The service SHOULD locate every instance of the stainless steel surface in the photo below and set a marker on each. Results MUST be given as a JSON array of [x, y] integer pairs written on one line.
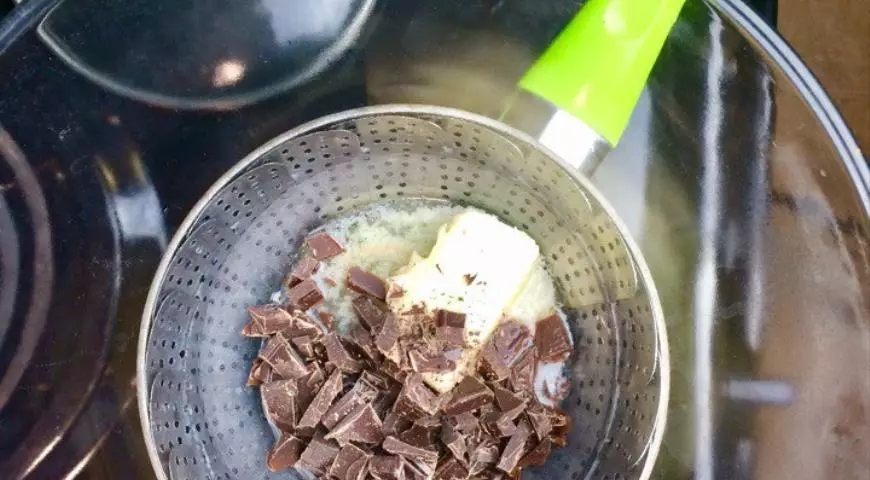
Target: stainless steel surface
[[237, 244]]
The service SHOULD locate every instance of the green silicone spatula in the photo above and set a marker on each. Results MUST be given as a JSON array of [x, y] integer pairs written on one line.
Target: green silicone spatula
[[592, 76]]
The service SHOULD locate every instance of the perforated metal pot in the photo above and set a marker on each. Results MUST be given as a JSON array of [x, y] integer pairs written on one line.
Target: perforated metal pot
[[199, 418]]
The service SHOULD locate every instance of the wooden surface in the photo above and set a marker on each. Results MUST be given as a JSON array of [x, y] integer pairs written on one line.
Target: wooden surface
[[833, 37]]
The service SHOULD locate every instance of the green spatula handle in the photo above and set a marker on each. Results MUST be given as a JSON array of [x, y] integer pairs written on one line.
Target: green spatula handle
[[597, 67]]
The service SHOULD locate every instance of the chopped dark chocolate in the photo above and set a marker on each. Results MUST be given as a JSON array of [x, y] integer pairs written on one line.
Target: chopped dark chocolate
[[506, 400], [539, 417], [387, 467], [363, 281], [470, 394], [419, 434], [361, 425], [398, 447], [552, 339], [446, 318], [339, 355], [306, 346], [491, 364], [321, 402], [515, 449], [357, 470], [500, 424], [363, 341], [395, 291], [324, 246], [387, 339], [327, 319], [360, 394], [281, 399], [511, 339], [455, 443], [395, 423], [260, 372], [450, 469], [416, 470], [522, 378], [416, 400], [303, 269], [483, 456], [450, 328], [371, 311], [266, 320], [465, 422], [283, 358], [395, 371], [318, 456], [305, 294], [538, 455], [303, 325], [347, 456], [285, 453], [421, 362], [561, 426]]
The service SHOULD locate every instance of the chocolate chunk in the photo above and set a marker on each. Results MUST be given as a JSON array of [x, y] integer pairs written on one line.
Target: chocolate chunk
[[522, 378], [361, 425], [491, 364], [303, 325], [321, 402], [416, 470], [419, 434], [365, 282], [363, 341], [339, 355], [285, 453], [465, 422], [305, 294], [283, 358], [360, 394], [455, 443], [395, 423], [416, 400], [347, 456], [371, 311], [282, 403], [538, 455], [450, 469], [398, 447], [394, 370], [446, 318], [386, 467], [539, 417], [561, 426], [511, 339], [306, 347], [324, 246], [387, 339], [506, 400], [483, 456], [260, 372], [266, 320], [552, 339], [395, 291], [303, 270], [515, 449], [327, 320], [358, 470], [318, 457], [422, 362], [500, 424], [375, 381], [469, 395]]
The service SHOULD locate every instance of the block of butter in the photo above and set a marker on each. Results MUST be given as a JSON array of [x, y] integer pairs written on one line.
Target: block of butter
[[477, 266]]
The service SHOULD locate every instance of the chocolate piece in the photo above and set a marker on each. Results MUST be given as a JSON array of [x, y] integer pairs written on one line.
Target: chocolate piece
[[285, 453], [450, 328], [394, 371], [469, 395], [483, 456], [363, 341], [362, 393], [283, 358], [347, 456], [316, 377], [260, 372], [424, 363], [306, 346], [371, 311], [305, 294], [500, 424], [455, 443], [327, 320], [318, 457], [416, 400], [339, 355], [361, 425], [266, 320], [491, 364], [358, 470], [395, 290], [303, 325], [419, 434], [506, 400], [387, 339], [395, 423], [522, 378], [367, 283], [539, 417], [374, 380], [386, 467], [303, 270], [398, 447], [510, 339], [552, 339], [561, 426], [465, 422], [538, 456], [450, 469], [515, 449], [324, 246], [321, 402], [416, 470], [281, 399]]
